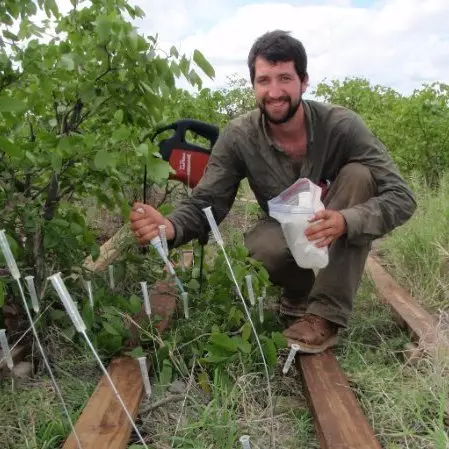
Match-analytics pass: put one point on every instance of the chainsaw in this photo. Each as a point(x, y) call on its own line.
point(188, 160)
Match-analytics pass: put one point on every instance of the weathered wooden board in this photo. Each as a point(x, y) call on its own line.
point(421, 324)
point(103, 423)
point(339, 421)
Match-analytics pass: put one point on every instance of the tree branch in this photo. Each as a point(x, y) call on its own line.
point(109, 67)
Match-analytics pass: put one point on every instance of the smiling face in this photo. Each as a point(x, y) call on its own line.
point(278, 89)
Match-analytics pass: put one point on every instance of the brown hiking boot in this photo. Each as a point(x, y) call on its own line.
point(291, 308)
point(312, 333)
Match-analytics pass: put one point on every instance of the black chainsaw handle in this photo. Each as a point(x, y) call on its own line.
point(203, 129)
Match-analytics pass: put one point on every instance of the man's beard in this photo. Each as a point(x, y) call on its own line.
point(291, 111)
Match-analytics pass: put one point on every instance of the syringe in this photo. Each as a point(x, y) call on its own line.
point(156, 242)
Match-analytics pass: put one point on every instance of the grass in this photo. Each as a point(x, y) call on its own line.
point(32, 415)
point(417, 253)
point(404, 401)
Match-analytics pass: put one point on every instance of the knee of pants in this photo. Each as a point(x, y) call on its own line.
point(273, 258)
point(357, 175)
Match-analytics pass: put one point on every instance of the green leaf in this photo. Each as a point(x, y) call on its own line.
point(203, 64)
point(246, 331)
point(279, 340)
point(142, 149)
point(120, 134)
point(110, 329)
point(174, 52)
point(95, 251)
point(9, 104)
point(193, 285)
point(2, 294)
point(269, 350)
point(158, 170)
point(135, 304)
point(136, 352)
point(222, 341)
point(67, 61)
point(88, 315)
point(58, 315)
point(56, 162)
point(244, 346)
point(102, 160)
point(76, 228)
point(9, 147)
point(166, 373)
point(61, 223)
point(118, 116)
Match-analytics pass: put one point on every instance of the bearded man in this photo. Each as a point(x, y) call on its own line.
point(288, 138)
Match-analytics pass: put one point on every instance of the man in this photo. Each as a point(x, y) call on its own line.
point(285, 139)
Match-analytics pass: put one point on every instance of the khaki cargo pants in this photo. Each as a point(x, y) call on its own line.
point(330, 294)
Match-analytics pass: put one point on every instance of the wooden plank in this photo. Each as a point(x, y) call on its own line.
point(339, 421)
point(422, 325)
point(103, 423)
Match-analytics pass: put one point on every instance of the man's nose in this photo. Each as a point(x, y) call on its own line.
point(275, 91)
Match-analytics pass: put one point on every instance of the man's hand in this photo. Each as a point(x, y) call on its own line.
point(145, 224)
point(327, 226)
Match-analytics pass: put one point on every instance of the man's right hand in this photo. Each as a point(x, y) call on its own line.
point(145, 224)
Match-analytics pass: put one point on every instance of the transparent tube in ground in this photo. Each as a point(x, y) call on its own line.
point(219, 240)
point(156, 242)
point(78, 322)
point(32, 291)
point(5, 348)
point(245, 442)
point(249, 286)
point(146, 298)
point(291, 355)
point(145, 378)
point(15, 273)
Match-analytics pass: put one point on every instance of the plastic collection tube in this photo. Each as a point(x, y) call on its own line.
point(146, 298)
point(245, 442)
point(32, 291)
point(89, 293)
point(144, 371)
point(156, 242)
point(67, 300)
point(10, 261)
point(111, 277)
point(185, 302)
point(163, 237)
point(249, 286)
point(288, 363)
point(5, 348)
point(261, 314)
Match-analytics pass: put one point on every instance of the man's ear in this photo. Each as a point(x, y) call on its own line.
point(305, 83)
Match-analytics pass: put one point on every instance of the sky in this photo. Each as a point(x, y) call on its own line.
point(396, 43)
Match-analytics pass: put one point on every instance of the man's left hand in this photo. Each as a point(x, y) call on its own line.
point(327, 226)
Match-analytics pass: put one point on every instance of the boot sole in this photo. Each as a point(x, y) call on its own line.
point(306, 348)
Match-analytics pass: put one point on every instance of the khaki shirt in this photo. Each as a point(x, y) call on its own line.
point(336, 136)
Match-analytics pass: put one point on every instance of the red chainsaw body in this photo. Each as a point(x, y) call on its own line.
point(188, 160)
point(189, 165)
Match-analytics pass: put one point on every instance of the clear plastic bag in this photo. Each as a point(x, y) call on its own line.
point(293, 208)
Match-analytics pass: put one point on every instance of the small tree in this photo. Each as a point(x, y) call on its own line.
point(75, 103)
